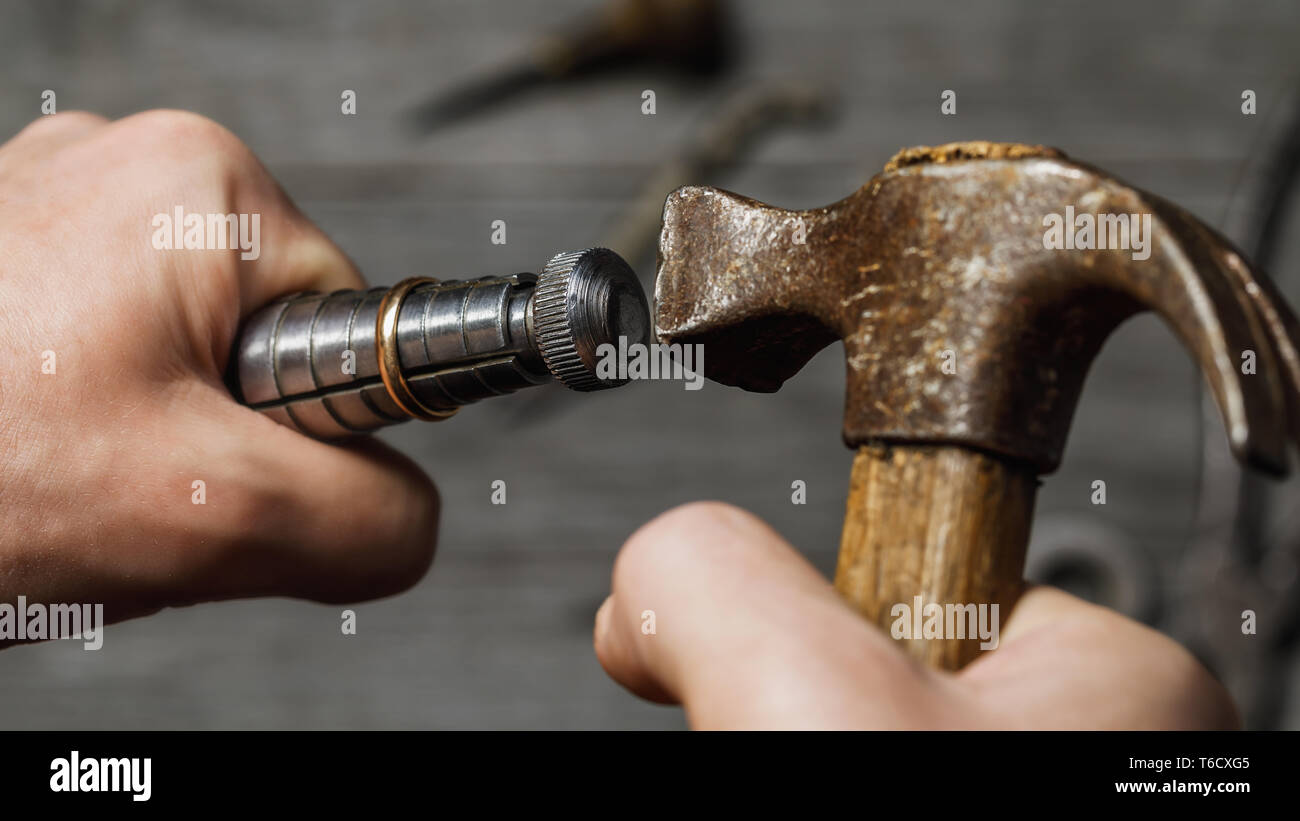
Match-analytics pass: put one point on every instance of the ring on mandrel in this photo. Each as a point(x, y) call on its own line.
point(390, 367)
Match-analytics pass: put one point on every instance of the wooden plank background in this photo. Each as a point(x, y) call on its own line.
point(498, 635)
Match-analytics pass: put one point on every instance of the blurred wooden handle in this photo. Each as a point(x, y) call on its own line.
point(944, 523)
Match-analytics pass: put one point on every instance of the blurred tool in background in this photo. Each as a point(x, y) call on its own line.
point(744, 115)
point(688, 36)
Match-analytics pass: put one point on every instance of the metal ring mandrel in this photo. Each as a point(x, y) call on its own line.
point(350, 362)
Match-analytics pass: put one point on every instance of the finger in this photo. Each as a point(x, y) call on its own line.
point(296, 256)
point(748, 634)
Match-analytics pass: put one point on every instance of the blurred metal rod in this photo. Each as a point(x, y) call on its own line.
point(746, 114)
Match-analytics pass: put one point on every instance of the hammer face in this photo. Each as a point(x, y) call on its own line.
point(962, 323)
point(708, 290)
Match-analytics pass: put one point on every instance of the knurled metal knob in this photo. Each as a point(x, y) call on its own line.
point(586, 299)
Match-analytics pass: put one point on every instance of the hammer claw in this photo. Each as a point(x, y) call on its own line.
point(1246, 353)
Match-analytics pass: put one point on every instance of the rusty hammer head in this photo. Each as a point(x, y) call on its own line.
point(972, 285)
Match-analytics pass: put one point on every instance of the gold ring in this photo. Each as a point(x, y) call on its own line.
point(390, 366)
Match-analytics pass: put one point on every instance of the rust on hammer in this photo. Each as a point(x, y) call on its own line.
point(944, 257)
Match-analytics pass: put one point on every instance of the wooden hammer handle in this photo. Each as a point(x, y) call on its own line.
point(944, 523)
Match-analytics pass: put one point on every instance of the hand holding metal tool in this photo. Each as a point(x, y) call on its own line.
point(943, 258)
point(350, 362)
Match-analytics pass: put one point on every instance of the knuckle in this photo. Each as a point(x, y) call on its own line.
point(57, 129)
point(85, 119)
point(184, 139)
point(173, 126)
point(63, 122)
point(699, 523)
point(679, 537)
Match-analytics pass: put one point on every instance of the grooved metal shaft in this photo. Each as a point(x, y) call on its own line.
point(312, 361)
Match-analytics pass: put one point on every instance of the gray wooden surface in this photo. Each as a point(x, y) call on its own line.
point(498, 635)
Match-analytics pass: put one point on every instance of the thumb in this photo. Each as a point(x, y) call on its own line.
point(285, 515)
point(747, 634)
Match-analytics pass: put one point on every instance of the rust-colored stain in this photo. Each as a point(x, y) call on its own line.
point(941, 258)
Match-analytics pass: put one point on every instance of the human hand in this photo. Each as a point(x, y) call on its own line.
point(99, 458)
point(750, 636)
